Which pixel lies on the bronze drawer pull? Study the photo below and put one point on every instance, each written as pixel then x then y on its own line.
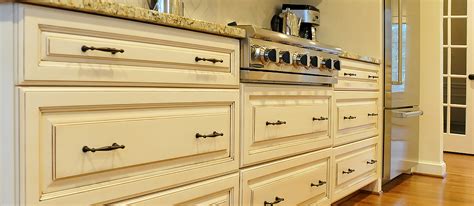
pixel 276 123
pixel 349 171
pixel 350 117
pixel 350 74
pixel 372 114
pixel 103 49
pixel 371 162
pixel 214 134
pixel 320 183
pixel 197 59
pixel 101 149
pixel 373 77
pixel 277 200
pixel 320 119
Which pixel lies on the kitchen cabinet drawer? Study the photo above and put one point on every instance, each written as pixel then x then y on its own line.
pixel 300 180
pixel 355 166
pixel 358 116
pixel 69 48
pixel 356 75
pixel 279 121
pixel 155 138
pixel 222 191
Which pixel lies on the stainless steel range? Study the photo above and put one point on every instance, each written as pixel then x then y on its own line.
pixel 272 57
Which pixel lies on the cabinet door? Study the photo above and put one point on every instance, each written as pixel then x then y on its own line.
pixel 280 121
pixel 222 191
pixel 358 116
pixel 300 180
pixel 88 145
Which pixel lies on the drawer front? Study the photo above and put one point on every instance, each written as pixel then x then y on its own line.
pixel 301 180
pixel 280 121
pixel 273 122
pixel 74 48
pixel 92 141
pixel 222 191
pixel 353 79
pixel 356 166
pixel 148 131
pixel 358 116
pixel 357 113
pixel 356 75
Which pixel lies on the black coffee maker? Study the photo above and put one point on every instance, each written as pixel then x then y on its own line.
pixel 309 19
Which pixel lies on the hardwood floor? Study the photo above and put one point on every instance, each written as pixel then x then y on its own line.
pixel 457 189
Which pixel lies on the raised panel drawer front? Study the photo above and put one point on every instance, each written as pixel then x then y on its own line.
pixel 356 166
pixel 96 141
pixel 280 121
pixel 300 180
pixel 356 75
pixel 71 48
pixel 222 191
pixel 358 116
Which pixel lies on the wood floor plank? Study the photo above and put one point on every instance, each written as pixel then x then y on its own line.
pixel 457 189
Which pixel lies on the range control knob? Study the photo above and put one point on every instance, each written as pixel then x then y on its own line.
pixel 315 61
pixel 257 53
pixel 301 60
pixel 285 57
pixel 327 63
pixel 271 55
pixel 337 64
pixel 263 54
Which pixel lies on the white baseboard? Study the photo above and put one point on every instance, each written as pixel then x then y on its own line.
pixel 431 168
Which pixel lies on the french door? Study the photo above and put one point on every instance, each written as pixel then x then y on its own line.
pixel 458 60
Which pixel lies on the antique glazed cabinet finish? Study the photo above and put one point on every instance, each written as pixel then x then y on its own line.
pixel 280 121
pixel 64 49
pixel 358 108
pixel 166 104
pixel 169 130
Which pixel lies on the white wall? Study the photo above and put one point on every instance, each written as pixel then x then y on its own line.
pixel 431 125
pixel 255 12
pixel 354 25
pixel 342 22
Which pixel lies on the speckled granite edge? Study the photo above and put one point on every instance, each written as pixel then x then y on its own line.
pixel 113 9
pixel 357 57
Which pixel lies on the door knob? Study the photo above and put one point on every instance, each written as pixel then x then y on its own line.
pixel 471 76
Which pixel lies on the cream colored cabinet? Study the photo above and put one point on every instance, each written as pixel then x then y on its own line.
pixel 355 75
pixel 358 116
pixel 279 121
pixel 59 47
pixel 355 166
pixel 300 180
pixel 358 125
pixel 86 145
pixel 222 191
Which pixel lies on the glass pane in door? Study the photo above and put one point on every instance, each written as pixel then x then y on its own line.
pixel 445 31
pixel 445 60
pixel 458 120
pixel 445 7
pixel 445 90
pixel 458 91
pixel 458 31
pixel 458 7
pixel 445 120
pixel 458 61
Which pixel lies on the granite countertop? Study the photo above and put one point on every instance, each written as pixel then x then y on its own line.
pixel 353 56
pixel 113 9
